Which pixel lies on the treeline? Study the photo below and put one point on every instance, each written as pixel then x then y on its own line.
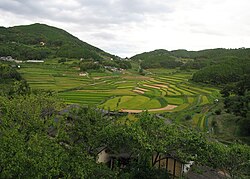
pixel 161 62
pixel 39 41
pixel 229 70
pixel 211 53
pixel 157 59
pixel 91 64
pixel 24 52
pixel 188 60
pixel 117 63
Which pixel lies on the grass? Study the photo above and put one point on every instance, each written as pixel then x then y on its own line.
pixel 83 98
pixel 181 107
pixel 111 104
pixel 190 99
pixel 137 102
pixel 152 104
pixel 196 119
pixel 174 100
pixel 204 100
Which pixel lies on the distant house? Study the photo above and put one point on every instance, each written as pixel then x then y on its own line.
pixel 113 69
pixel 42 43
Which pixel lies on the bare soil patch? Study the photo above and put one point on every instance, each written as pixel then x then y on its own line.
pixel 151 86
pixel 141 89
pixel 166 108
pixel 138 91
pixel 160 85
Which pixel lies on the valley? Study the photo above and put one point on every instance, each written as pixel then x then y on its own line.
pixel 160 91
pixel 64 102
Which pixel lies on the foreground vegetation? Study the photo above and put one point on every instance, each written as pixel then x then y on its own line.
pixel 39 139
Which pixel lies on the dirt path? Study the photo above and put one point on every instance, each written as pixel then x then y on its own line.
pixel 167 108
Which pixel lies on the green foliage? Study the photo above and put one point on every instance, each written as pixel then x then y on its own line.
pixel 62 60
pixel 188 117
pixel 7 73
pixel 219 74
pixel 89 65
pixel 157 59
pixel 196 64
pixel 11 82
pixel 117 63
pixel 36 142
pixel 39 41
pixel 237 100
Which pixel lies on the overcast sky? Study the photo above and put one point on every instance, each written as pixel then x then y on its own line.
pixel 129 27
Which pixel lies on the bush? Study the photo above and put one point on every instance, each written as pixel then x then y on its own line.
pixel 188 117
pixel 217 112
pixel 62 60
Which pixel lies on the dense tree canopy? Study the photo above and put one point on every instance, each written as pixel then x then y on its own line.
pixel 40 41
pixel 232 70
pixel 38 139
pixel 11 82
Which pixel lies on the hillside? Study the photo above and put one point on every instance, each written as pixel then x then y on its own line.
pixel 156 59
pixel 206 54
pixel 39 41
pixel 215 65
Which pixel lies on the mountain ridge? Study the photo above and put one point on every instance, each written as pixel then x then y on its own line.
pixel 45 41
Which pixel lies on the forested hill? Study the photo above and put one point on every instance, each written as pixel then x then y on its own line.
pixel 205 54
pixel 156 59
pixel 215 66
pixel 39 41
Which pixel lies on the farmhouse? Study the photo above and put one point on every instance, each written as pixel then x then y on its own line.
pixel 174 166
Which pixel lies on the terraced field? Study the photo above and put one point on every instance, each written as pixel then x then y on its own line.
pixel 124 92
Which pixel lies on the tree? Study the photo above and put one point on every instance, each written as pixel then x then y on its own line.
pixel 33 141
pixel 38 139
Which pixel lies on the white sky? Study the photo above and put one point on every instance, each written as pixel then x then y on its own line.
pixel 129 27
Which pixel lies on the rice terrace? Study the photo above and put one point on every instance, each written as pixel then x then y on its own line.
pixel 161 90
pixel 69 109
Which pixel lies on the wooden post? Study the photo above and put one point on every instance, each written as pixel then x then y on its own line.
pixel 174 168
pixel 167 164
pixel 159 161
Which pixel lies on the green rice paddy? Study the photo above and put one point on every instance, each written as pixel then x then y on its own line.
pixel 128 91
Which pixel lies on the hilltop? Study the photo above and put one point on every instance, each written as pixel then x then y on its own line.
pixel 39 41
pixel 206 53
